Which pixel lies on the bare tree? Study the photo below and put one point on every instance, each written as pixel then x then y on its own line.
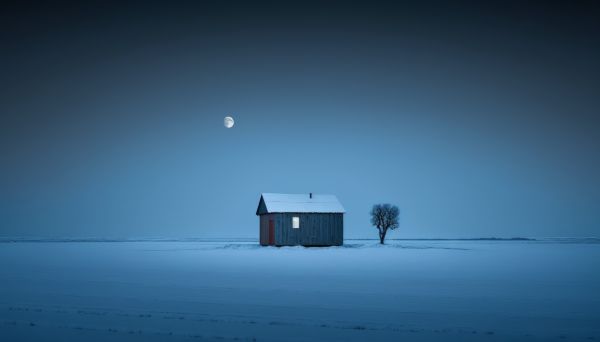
pixel 384 217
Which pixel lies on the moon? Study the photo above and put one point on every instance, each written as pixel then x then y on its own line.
pixel 228 121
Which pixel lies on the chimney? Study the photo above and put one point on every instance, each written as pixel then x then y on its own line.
pixel 310 195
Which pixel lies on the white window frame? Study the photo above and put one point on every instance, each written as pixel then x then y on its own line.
pixel 296 222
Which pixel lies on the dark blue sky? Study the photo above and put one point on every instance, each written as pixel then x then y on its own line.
pixel 475 119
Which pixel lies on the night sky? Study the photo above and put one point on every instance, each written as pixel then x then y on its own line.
pixel 476 119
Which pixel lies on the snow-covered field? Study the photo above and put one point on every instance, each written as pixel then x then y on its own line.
pixel 219 290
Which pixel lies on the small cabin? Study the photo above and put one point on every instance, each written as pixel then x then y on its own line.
pixel 300 220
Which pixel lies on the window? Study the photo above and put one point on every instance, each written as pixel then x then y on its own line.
pixel 295 222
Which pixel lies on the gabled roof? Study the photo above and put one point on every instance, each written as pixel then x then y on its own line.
pixel 298 203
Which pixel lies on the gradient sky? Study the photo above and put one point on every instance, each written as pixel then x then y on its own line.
pixel 475 119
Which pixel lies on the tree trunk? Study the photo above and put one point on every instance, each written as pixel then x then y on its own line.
pixel 382 236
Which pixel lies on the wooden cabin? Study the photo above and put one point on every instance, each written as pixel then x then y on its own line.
pixel 300 219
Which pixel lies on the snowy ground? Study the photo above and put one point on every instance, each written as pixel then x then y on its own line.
pixel 410 290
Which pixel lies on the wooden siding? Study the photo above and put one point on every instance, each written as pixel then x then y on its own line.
pixel 316 229
pixel 264 229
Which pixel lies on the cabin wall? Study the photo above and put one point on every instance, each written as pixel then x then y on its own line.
pixel 316 229
pixel 264 229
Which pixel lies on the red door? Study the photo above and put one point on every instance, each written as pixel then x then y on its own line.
pixel 271 233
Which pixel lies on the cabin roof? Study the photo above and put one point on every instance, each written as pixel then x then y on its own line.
pixel 298 203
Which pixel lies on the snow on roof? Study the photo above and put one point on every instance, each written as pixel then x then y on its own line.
pixel 301 203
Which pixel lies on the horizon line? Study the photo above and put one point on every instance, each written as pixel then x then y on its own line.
pixel 8 239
